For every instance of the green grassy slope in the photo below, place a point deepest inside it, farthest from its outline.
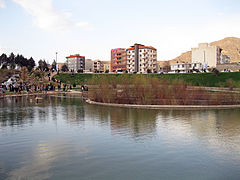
(206, 79)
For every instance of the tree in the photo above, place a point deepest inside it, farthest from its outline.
(4, 66)
(11, 59)
(3, 59)
(64, 68)
(42, 65)
(31, 64)
(54, 65)
(24, 73)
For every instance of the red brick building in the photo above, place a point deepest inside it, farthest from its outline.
(118, 60)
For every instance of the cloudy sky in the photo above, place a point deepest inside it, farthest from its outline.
(40, 28)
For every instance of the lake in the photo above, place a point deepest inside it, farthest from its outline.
(65, 138)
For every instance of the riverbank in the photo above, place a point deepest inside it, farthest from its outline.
(88, 101)
(72, 92)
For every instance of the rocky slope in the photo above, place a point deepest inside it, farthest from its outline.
(230, 46)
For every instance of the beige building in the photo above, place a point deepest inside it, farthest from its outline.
(141, 59)
(208, 55)
(98, 66)
(88, 66)
(106, 66)
(60, 65)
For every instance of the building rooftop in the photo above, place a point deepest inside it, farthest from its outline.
(117, 49)
(76, 55)
(142, 47)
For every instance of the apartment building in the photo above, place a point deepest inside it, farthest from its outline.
(75, 62)
(98, 66)
(118, 60)
(106, 66)
(206, 54)
(141, 59)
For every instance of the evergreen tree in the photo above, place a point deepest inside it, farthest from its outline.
(54, 65)
(64, 68)
(3, 59)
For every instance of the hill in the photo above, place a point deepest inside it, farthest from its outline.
(183, 58)
(230, 46)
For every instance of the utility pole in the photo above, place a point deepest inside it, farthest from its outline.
(56, 62)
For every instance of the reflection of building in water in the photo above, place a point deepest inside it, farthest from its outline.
(133, 122)
(217, 128)
(137, 122)
(74, 112)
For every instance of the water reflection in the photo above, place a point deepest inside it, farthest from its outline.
(216, 129)
(65, 134)
(43, 159)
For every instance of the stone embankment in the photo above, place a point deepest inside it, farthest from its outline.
(185, 107)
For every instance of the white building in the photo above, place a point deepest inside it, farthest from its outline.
(224, 59)
(207, 55)
(76, 62)
(187, 67)
(141, 59)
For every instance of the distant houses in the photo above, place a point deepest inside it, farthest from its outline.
(204, 57)
(142, 59)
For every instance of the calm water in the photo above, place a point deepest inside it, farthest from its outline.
(64, 138)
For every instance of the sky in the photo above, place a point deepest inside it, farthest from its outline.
(40, 28)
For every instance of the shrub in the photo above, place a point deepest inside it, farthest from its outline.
(80, 71)
(216, 72)
(142, 89)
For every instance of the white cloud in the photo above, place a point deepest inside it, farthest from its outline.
(46, 17)
(2, 4)
(84, 25)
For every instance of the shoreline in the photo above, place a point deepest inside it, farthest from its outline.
(178, 107)
(88, 101)
(43, 93)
